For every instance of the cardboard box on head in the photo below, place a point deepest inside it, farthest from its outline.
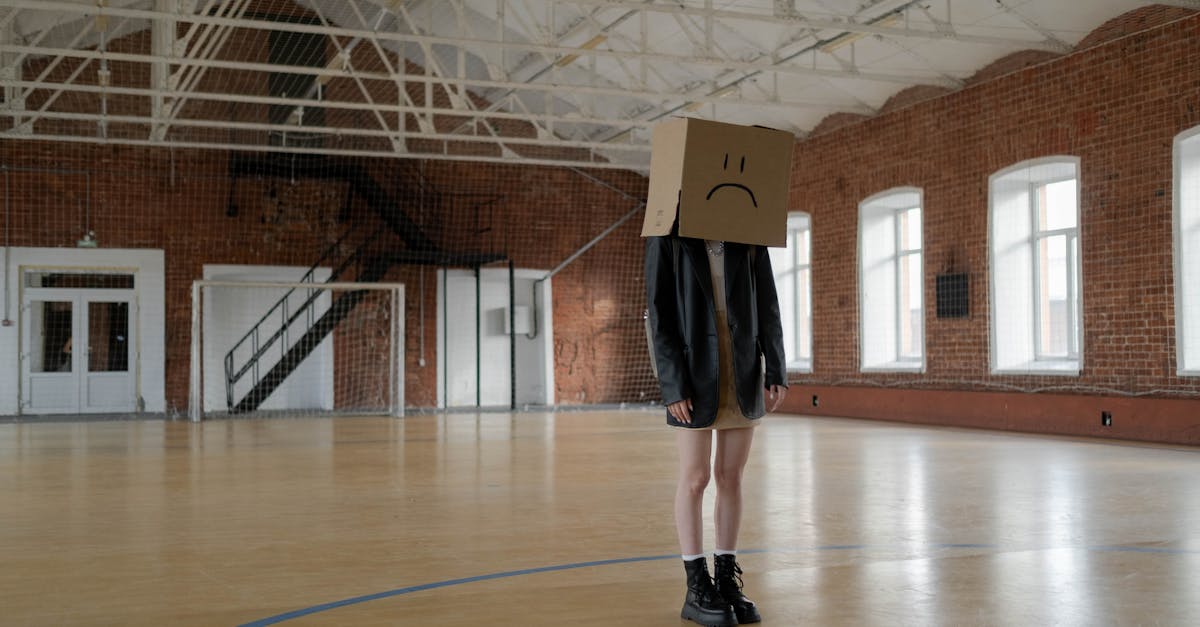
(726, 182)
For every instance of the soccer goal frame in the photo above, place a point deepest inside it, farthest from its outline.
(309, 294)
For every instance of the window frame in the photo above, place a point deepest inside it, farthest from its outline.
(873, 210)
(902, 252)
(793, 270)
(1038, 363)
(1185, 365)
(1074, 320)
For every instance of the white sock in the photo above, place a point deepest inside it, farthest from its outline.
(725, 552)
(688, 558)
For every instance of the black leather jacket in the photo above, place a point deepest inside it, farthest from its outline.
(683, 325)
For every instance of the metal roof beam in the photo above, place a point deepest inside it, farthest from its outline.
(209, 43)
(515, 159)
(472, 43)
(828, 23)
(10, 66)
(397, 139)
(328, 104)
(162, 45)
(903, 79)
(457, 82)
(23, 125)
(331, 131)
(385, 58)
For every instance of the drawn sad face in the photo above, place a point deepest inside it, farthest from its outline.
(731, 190)
(734, 184)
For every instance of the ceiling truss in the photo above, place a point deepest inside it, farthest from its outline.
(585, 79)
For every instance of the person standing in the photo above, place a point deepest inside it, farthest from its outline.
(717, 336)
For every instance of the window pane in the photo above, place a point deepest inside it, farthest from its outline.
(910, 229)
(50, 336)
(804, 317)
(1053, 307)
(77, 280)
(108, 337)
(784, 266)
(781, 262)
(910, 306)
(1035, 279)
(791, 280)
(889, 246)
(1058, 206)
(1074, 301)
(787, 313)
(1187, 305)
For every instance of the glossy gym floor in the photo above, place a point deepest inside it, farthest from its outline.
(565, 519)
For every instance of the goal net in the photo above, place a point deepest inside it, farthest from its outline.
(266, 348)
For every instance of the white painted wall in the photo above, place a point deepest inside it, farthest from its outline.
(457, 339)
(148, 268)
(229, 313)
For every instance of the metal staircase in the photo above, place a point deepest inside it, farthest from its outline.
(280, 352)
(258, 345)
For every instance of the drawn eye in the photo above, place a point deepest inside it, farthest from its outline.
(743, 165)
(725, 166)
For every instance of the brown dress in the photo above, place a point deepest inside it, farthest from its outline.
(729, 415)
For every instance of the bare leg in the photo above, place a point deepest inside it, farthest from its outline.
(733, 449)
(695, 451)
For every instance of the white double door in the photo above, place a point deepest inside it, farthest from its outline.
(78, 354)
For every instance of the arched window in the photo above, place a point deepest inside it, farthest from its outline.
(891, 281)
(793, 278)
(1033, 230)
(1187, 251)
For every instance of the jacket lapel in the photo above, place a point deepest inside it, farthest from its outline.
(694, 250)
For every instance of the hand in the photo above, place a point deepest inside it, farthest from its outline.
(775, 396)
(681, 411)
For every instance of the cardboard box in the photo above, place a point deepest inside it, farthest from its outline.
(727, 182)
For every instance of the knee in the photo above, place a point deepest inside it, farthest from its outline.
(729, 479)
(696, 481)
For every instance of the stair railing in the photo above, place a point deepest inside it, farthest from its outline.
(259, 348)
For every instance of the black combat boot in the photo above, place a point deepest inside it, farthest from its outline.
(729, 585)
(703, 604)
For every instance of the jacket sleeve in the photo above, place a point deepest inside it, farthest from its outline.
(664, 321)
(770, 326)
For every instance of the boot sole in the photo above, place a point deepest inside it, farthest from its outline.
(744, 619)
(700, 620)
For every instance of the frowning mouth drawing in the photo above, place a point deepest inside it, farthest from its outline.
(741, 168)
(735, 185)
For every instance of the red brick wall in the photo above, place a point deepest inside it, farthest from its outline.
(179, 201)
(1116, 105)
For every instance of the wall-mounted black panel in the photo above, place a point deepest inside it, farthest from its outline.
(953, 297)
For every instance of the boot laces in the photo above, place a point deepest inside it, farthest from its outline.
(734, 575)
(705, 587)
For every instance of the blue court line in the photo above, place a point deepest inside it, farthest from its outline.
(1145, 549)
(315, 609)
(451, 582)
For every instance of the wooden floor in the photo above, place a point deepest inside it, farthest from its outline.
(565, 519)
